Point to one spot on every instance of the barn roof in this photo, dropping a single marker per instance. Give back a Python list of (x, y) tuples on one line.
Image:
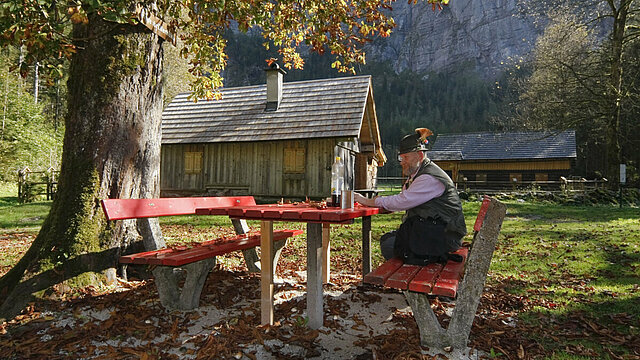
[(505, 145), (309, 109)]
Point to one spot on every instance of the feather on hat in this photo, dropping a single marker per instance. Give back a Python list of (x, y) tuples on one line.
[(424, 133)]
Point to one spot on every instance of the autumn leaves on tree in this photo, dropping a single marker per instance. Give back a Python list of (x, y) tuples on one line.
[(112, 140)]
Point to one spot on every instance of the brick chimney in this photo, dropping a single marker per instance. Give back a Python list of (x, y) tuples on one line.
[(274, 86)]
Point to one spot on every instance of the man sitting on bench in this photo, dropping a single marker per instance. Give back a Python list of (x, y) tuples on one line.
[(433, 225)]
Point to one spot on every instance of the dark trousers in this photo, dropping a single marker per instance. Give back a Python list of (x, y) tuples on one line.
[(387, 241), (450, 243)]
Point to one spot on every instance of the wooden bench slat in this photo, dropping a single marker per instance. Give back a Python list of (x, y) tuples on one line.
[(138, 258), (309, 215), (176, 257), (254, 213), (380, 275), (235, 212), (445, 287), (202, 252), (463, 251), (273, 214), (205, 252), (341, 215), (157, 257), (453, 267), (447, 282), (482, 213), (437, 279), (119, 209), (434, 279), (426, 278), (213, 211), (402, 277)]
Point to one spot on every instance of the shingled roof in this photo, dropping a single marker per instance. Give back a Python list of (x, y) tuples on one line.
[(309, 109), (505, 145)]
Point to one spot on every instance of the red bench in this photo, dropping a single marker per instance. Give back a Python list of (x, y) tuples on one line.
[(196, 260), (183, 255), (419, 282), (432, 279)]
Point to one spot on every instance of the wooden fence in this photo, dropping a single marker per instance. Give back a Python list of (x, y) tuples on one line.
[(34, 183), (572, 184)]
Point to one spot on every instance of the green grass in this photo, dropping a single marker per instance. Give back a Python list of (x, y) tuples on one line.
[(570, 269), (23, 216), (16, 216), (572, 260), (19, 225)]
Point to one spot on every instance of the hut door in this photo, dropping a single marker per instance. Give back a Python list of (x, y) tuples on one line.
[(294, 181), (365, 171), (193, 157)]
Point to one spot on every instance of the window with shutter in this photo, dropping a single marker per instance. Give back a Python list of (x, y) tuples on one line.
[(192, 162), (294, 161), (542, 177)]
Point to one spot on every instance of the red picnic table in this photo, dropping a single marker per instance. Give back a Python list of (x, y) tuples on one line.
[(318, 229)]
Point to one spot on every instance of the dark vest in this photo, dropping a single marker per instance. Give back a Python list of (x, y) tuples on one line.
[(446, 207)]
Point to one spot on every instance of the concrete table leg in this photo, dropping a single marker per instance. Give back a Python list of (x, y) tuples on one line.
[(314, 275), (326, 253), (266, 271), (366, 245)]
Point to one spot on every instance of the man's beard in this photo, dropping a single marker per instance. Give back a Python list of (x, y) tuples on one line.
[(410, 169)]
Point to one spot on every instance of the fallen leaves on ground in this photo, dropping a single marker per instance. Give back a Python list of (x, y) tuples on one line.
[(128, 322), (12, 246)]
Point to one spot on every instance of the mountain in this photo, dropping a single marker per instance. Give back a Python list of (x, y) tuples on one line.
[(482, 33)]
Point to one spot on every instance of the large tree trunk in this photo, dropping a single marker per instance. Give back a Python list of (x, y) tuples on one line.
[(111, 150), (614, 155)]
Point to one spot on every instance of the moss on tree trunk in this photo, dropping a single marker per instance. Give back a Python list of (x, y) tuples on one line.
[(111, 150)]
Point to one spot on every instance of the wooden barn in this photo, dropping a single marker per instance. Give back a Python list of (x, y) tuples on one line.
[(505, 158), (273, 140)]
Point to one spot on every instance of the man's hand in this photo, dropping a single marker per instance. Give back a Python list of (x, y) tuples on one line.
[(363, 200)]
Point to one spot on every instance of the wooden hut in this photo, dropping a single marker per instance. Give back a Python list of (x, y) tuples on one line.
[(505, 158), (273, 140)]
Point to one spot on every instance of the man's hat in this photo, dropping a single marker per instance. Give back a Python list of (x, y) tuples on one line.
[(415, 142)]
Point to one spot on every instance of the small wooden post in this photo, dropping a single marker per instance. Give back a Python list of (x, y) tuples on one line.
[(326, 253), (20, 185), (266, 278)]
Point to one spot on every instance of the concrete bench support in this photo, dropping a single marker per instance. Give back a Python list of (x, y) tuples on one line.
[(187, 297), (167, 278), (251, 257), (469, 292)]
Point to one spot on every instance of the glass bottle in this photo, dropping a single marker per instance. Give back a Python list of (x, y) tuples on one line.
[(337, 182)]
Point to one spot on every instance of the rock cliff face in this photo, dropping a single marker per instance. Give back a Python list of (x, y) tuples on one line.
[(482, 33)]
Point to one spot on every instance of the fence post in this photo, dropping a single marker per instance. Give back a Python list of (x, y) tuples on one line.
[(51, 178), (19, 184), (23, 186)]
